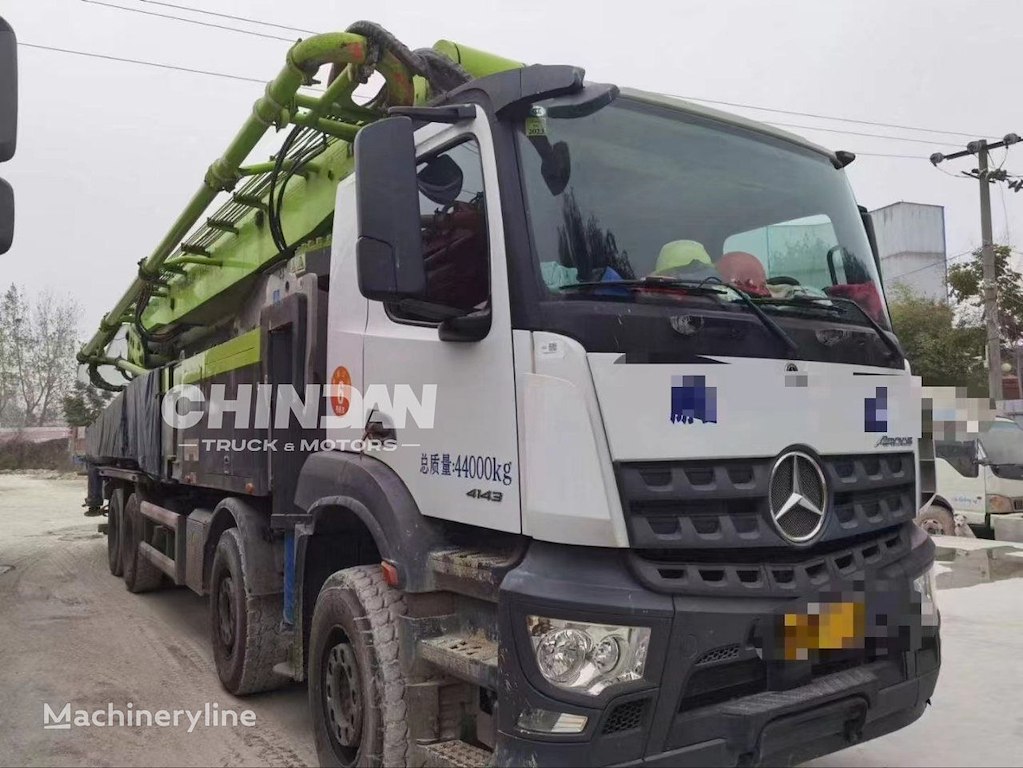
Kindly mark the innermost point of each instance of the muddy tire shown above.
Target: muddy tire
(115, 514)
(356, 684)
(244, 628)
(140, 575)
(937, 520)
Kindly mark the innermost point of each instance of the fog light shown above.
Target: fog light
(545, 721)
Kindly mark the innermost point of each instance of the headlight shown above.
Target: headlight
(925, 587)
(998, 504)
(587, 658)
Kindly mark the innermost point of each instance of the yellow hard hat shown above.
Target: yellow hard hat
(681, 253)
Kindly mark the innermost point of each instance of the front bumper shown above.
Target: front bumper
(708, 698)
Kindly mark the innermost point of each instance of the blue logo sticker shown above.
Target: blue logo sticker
(875, 411)
(692, 399)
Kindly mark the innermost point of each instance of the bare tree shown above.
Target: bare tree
(8, 377)
(38, 360)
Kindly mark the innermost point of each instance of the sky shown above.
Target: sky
(110, 152)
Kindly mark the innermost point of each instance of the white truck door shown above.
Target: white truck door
(464, 466)
(960, 480)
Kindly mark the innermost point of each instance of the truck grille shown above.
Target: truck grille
(723, 504)
(768, 573)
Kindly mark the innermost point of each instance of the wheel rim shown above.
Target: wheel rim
(226, 614)
(342, 699)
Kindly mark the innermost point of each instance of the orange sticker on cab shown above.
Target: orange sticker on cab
(340, 390)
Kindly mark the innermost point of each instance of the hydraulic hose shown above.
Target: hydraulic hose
(275, 108)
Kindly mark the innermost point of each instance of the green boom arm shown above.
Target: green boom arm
(278, 107)
(177, 282)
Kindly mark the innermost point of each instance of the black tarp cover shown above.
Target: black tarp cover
(128, 430)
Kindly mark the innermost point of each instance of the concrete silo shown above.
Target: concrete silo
(911, 241)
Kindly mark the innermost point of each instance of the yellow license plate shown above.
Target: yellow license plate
(824, 626)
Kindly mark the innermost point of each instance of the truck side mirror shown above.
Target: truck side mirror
(8, 91)
(8, 126)
(868, 225)
(389, 250)
(6, 216)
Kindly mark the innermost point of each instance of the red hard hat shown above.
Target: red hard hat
(744, 271)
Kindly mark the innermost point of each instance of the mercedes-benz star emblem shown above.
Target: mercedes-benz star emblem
(799, 496)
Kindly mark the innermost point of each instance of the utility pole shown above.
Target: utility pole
(981, 149)
(994, 347)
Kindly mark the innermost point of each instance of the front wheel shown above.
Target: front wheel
(356, 684)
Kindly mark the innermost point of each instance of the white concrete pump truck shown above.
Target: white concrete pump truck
(530, 421)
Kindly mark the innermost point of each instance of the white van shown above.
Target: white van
(977, 477)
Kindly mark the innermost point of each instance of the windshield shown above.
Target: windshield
(1003, 443)
(637, 190)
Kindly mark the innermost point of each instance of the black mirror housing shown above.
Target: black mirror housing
(592, 98)
(389, 250)
(868, 225)
(467, 328)
(6, 216)
(8, 92)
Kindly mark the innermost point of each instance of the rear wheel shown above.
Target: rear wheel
(356, 684)
(937, 520)
(140, 575)
(115, 512)
(244, 628)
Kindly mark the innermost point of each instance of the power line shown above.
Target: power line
(189, 21)
(859, 133)
(886, 154)
(826, 117)
(229, 16)
(142, 62)
(158, 65)
(944, 263)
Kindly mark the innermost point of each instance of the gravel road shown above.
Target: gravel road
(71, 633)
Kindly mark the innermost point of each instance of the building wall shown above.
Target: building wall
(911, 242)
(34, 434)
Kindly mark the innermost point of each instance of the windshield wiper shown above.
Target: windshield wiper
(693, 286)
(707, 287)
(812, 302)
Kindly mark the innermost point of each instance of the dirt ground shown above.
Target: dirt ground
(71, 633)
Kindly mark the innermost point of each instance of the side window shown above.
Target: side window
(453, 219)
(796, 249)
(962, 456)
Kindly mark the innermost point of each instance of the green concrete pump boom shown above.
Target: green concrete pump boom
(180, 280)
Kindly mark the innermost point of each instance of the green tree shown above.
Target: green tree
(942, 351)
(84, 404)
(964, 283)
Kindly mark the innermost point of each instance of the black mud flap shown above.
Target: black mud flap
(786, 735)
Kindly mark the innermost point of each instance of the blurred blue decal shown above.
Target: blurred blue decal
(692, 399)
